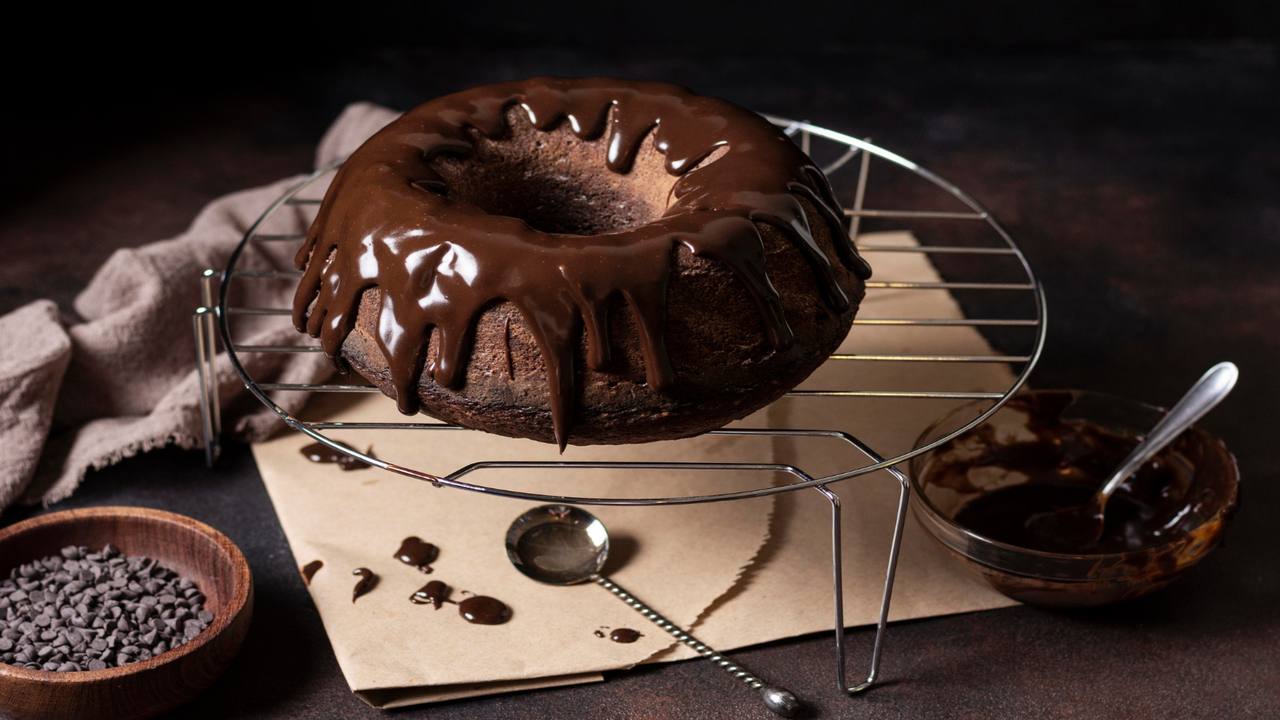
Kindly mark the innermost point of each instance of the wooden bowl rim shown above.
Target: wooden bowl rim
(241, 588)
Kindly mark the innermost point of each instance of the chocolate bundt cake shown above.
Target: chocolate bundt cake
(580, 261)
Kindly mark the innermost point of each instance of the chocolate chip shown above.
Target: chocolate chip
(81, 610)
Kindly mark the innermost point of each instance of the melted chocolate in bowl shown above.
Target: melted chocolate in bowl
(1065, 462)
(1053, 449)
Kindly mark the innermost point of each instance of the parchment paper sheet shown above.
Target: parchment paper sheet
(678, 558)
(688, 562)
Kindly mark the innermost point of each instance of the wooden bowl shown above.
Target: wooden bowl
(149, 687)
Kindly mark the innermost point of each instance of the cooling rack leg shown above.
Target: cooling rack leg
(207, 288)
(210, 420)
(837, 571)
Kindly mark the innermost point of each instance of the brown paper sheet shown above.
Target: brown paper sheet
(683, 560)
(678, 559)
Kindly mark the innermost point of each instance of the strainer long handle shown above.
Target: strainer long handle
(779, 700)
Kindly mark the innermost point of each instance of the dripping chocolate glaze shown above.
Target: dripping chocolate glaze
(364, 584)
(418, 553)
(310, 569)
(625, 635)
(321, 453)
(433, 593)
(388, 222)
(484, 610)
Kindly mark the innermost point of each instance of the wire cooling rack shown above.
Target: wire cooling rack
(970, 253)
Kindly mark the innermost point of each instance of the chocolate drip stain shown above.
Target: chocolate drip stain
(309, 570)
(433, 593)
(484, 610)
(418, 553)
(599, 633)
(388, 222)
(364, 584)
(624, 635)
(321, 453)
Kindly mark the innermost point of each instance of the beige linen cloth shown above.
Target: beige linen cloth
(121, 379)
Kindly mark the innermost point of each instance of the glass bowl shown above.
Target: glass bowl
(1209, 488)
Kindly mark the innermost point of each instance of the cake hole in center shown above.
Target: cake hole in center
(559, 183)
(563, 203)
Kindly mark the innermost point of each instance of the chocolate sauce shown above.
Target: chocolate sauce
(309, 570)
(1065, 463)
(364, 584)
(484, 610)
(321, 453)
(624, 635)
(418, 553)
(599, 633)
(1002, 515)
(387, 221)
(433, 593)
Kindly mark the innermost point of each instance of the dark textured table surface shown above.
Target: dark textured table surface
(1142, 181)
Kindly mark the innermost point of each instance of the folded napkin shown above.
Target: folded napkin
(122, 378)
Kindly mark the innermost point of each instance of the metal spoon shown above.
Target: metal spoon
(1081, 526)
(565, 545)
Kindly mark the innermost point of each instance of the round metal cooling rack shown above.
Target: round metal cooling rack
(214, 321)
(807, 134)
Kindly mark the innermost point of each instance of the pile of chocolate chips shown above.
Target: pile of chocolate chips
(83, 610)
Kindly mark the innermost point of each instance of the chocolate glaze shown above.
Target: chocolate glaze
(1065, 464)
(387, 221)
(418, 553)
(364, 584)
(484, 610)
(433, 593)
(321, 453)
(624, 635)
(309, 570)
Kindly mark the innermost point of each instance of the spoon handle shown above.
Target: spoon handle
(779, 700)
(1208, 391)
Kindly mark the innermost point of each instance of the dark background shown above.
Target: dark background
(1132, 148)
